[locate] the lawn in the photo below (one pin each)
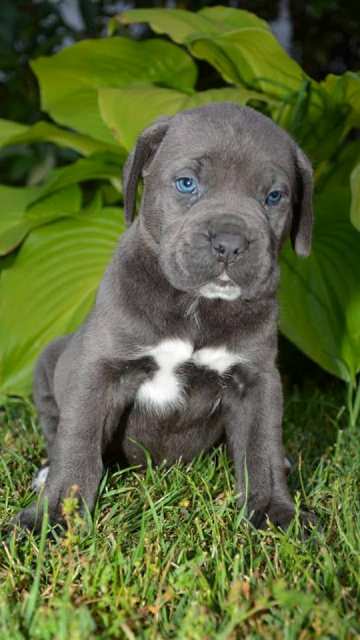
(170, 556)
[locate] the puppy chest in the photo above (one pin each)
(180, 370)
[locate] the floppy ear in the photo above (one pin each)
(302, 221)
(144, 150)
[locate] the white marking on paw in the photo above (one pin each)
(40, 479)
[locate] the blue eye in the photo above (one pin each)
(273, 198)
(186, 185)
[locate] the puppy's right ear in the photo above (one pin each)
(144, 150)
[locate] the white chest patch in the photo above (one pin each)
(166, 389)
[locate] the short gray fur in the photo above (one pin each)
(86, 384)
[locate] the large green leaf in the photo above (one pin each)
(237, 43)
(252, 57)
(96, 167)
(49, 287)
(182, 25)
(320, 296)
(129, 111)
(25, 208)
(69, 80)
(16, 223)
(12, 133)
(228, 19)
(14, 201)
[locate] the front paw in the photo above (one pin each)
(257, 511)
(281, 515)
(59, 506)
(31, 517)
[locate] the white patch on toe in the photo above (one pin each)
(166, 390)
(212, 290)
(40, 479)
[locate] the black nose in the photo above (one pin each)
(227, 247)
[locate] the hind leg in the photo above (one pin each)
(43, 393)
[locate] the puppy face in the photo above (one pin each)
(223, 187)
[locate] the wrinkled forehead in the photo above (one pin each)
(242, 138)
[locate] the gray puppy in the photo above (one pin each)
(180, 348)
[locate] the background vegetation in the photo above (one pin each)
(168, 555)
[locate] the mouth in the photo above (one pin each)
(222, 287)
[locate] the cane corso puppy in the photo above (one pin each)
(180, 348)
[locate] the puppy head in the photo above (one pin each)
(223, 188)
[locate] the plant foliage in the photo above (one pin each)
(57, 236)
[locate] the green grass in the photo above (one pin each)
(170, 556)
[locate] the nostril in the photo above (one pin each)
(220, 249)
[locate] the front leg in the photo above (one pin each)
(253, 406)
(95, 400)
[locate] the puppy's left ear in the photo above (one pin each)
(145, 148)
(302, 221)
